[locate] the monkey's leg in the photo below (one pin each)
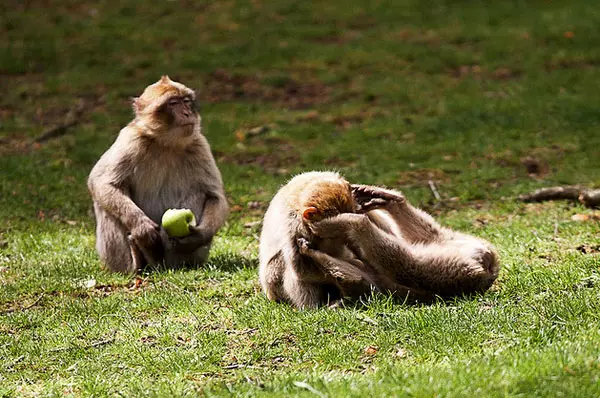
(307, 294)
(455, 267)
(344, 272)
(177, 255)
(271, 275)
(113, 245)
(413, 224)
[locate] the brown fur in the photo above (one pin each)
(405, 245)
(156, 163)
(292, 266)
(372, 239)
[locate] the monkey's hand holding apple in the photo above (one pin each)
(146, 235)
(185, 236)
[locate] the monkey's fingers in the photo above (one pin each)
(363, 192)
(303, 245)
(372, 204)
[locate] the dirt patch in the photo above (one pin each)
(16, 145)
(572, 63)
(421, 177)
(588, 249)
(225, 86)
(273, 159)
(483, 73)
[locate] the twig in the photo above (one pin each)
(16, 361)
(436, 195)
(92, 345)
(590, 198)
(37, 300)
(234, 366)
(552, 193)
(71, 119)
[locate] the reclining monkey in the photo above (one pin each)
(324, 239)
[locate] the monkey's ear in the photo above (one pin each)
(136, 104)
(165, 79)
(311, 214)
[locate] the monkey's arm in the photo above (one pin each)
(352, 276)
(108, 187)
(214, 213)
(415, 225)
(107, 184)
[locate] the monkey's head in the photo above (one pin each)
(167, 106)
(325, 198)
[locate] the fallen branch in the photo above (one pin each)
(588, 197)
(71, 119)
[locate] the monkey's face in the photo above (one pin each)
(179, 112)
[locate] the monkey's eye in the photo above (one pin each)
(173, 102)
(187, 101)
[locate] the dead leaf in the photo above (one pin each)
(580, 217)
(371, 350)
(252, 224)
(569, 35)
(588, 249)
(535, 167)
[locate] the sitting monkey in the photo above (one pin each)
(160, 160)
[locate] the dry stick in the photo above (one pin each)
(92, 345)
(16, 361)
(71, 119)
(553, 193)
(588, 197)
(436, 195)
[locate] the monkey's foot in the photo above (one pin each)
(371, 197)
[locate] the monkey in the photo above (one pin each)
(406, 245)
(373, 240)
(285, 273)
(160, 160)
(305, 270)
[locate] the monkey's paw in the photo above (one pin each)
(339, 227)
(371, 197)
(303, 245)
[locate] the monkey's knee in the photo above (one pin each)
(198, 257)
(118, 257)
(113, 247)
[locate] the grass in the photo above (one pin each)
(388, 92)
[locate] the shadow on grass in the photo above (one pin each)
(225, 262)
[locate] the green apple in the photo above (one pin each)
(177, 222)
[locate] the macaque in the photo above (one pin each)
(295, 265)
(159, 161)
(324, 239)
(407, 245)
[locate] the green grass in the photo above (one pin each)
(388, 92)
